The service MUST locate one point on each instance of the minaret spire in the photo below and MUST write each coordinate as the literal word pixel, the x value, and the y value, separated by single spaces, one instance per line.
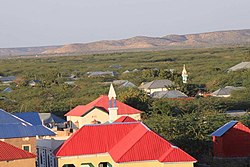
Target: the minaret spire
pixel 184 74
pixel 112 104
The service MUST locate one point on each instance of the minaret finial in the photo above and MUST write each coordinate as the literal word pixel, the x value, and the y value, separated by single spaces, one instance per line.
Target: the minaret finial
pixel 184 74
pixel 112 93
pixel 112 104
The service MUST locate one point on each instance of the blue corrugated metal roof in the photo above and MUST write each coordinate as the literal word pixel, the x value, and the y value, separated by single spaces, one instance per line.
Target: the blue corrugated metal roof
pixel 219 132
pixel 14 127
pixel 31 117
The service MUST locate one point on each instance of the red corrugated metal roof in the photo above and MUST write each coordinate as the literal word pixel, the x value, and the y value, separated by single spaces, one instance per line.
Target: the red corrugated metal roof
pixel 9 152
pixel 125 119
pixel 125 142
pixel 103 103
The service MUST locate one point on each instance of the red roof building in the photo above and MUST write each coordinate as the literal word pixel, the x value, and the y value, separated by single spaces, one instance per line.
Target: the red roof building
pixel 13 156
pixel 231 140
pixel 103 103
pixel 99 111
pixel 130 142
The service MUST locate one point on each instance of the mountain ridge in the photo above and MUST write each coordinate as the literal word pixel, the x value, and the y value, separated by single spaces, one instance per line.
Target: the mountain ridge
pixel 140 43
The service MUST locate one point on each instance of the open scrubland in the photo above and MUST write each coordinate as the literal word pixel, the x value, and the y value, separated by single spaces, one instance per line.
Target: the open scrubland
pixel 187 123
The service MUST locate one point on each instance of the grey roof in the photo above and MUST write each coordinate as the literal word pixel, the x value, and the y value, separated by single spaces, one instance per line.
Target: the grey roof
pixel 123 83
pixel 50 118
pixel 222 130
pixel 169 94
pixel 157 84
pixel 101 73
pixel 226 91
pixel 240 66
pixel 8 79
pixel 7 90
pixel 236 112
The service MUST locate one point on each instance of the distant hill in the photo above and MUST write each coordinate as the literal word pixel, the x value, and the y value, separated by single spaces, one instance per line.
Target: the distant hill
pixel 211 39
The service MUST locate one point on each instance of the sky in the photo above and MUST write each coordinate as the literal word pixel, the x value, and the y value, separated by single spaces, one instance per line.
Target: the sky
pixel 25 23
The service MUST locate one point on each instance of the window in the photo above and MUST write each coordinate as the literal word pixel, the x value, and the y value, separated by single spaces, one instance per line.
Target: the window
pixel 26 148
pixel 104 164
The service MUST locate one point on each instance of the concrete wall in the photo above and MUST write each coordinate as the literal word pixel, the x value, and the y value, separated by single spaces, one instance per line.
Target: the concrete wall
pixel 97 158
pixel 19 163
pixel 19 142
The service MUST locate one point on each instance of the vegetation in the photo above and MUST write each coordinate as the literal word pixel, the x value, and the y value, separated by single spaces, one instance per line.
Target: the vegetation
pixel 187 123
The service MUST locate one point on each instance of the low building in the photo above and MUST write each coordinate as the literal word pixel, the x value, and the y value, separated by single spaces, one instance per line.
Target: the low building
pixel 156 86
pixel 103 109
pixel 231 140
pixel 120 145
pixel 45 120
pixel 240 66
pixel 45 149
pixel 225 92
pixel 11 156
pixel 171 94
pixel 101 74
pixel 7 80
pixel 123 84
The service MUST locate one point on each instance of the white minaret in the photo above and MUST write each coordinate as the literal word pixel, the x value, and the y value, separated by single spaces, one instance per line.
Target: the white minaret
pixel 112 104
pixel 184 74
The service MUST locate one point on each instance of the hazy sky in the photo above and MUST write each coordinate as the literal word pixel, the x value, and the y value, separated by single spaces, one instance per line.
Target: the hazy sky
pixel 54 22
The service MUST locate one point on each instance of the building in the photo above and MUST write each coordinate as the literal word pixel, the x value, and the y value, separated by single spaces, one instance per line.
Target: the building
pixel 47 144
pixel 123 84
pixel 184 74
pixel 231 140
pixel 45 149
pixel 240 66
pixel 102 110
pixel 48 120
pixel 101 74
pixel 11 156
pixel 18 132
pixel 171 94
pixel 7 80
pixel 120 145
pixel 225 92
pixel 156 86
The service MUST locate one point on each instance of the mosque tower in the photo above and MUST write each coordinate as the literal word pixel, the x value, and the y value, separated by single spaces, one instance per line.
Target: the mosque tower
pixel 184 74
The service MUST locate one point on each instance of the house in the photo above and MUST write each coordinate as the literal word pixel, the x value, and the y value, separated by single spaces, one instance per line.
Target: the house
pixel 103 109
pixel 42 119
pixel 156 85
pixel 240 66
pixel 172 94
pixel 20 133
pixel 45 146
pixel 7 90
pixel 231 140
pixel 225 92
pixel 7 80
pixel 236 113
pixel 101 74
pixel 120 145
pixel 34 82
pixel 45 149
pixel 123 83
pixel 11 156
